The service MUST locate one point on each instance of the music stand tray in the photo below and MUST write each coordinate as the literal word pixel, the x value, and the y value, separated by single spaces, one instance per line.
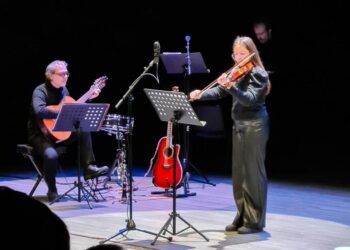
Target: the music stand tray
pixel 89 117
pixel 166 103
pixel 78 117
pixel 173 106
pixel 176 63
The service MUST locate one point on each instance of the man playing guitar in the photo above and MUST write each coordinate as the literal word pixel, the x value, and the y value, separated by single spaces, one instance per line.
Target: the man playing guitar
pixel 47 98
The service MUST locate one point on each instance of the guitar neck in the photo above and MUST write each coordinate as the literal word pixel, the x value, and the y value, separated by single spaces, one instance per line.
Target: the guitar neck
pixel 85 97
pixel 169 141
pixel 98 85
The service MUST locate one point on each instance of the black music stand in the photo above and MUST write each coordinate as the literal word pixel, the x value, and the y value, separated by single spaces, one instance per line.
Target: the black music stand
pixel 78 117
pixel 173 106
pixel 186 64
pixel 176 63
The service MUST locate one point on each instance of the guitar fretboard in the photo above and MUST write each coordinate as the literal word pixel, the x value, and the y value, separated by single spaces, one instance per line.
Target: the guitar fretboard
pixel 169 142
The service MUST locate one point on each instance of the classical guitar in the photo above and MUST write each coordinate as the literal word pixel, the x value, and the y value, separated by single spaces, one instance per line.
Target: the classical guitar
pixel 162 163
pixel 48 124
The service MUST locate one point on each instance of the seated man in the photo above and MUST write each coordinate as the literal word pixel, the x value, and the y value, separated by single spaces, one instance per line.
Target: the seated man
pixel 46 96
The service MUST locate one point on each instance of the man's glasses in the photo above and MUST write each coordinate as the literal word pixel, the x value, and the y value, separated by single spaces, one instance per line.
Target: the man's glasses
pixel 62 74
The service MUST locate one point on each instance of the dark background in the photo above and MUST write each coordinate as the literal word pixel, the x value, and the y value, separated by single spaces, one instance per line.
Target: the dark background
pixel 309 108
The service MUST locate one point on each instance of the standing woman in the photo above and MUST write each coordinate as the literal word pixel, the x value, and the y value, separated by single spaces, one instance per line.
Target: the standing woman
pixel 248 85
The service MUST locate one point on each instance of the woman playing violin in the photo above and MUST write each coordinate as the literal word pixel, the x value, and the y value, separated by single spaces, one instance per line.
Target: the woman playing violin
pixel 248 85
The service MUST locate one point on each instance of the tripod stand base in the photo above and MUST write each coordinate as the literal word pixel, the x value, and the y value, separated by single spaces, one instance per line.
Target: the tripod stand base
pixel 206 180
pixel 129 227
pixel 82 193
pixel 172 217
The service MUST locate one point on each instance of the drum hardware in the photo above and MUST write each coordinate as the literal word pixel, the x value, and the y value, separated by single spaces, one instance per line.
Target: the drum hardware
pixel 118 125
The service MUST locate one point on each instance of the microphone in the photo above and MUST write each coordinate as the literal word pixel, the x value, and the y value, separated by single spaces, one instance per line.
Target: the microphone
pixel 156 53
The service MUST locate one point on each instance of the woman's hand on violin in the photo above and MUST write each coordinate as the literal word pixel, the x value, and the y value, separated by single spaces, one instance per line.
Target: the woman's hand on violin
pixel 224 81
pixel 195 94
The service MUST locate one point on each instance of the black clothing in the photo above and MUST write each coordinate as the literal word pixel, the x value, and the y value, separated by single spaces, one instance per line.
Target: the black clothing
pixel 248 95
pixel 249 138
pixel 43 96
pixel 268 54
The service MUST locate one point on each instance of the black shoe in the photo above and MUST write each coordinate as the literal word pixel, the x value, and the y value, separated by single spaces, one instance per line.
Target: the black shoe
pixel 231 228
pixel 248 230
pixel 52 196
pixel 93 171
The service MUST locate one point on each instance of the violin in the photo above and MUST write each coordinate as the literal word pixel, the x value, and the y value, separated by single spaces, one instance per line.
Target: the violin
pixel 238 73
pixel 233 73
pixel 241 71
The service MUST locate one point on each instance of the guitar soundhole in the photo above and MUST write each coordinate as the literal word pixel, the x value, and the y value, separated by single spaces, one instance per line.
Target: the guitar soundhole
pixel 168 152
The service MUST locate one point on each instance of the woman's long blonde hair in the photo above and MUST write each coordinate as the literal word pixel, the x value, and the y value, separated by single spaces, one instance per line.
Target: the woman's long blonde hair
pixel 249 44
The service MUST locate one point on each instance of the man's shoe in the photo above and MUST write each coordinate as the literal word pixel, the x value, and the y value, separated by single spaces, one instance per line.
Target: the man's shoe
pixel 248 230
pixel 93 171
pixel 52 196
pixel 231 228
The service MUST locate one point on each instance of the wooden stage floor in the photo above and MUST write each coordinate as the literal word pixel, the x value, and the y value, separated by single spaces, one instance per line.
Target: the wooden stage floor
pixel 300 215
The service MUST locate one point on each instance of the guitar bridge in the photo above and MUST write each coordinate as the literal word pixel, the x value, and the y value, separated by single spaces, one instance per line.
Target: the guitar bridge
pixel 167 166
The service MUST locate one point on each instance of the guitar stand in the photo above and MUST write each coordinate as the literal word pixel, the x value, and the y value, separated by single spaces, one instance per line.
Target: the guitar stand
pixel 186 189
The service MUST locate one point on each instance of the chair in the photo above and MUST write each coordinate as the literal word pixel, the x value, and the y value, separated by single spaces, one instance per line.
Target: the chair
pixel 28 151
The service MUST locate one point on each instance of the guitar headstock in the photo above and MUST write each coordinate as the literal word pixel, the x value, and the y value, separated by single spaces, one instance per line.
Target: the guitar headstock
pixel 99 83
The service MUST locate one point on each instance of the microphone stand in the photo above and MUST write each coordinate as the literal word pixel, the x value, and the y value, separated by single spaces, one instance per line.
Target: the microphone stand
pixel 132 86
pixel 130 224
pixel 186 160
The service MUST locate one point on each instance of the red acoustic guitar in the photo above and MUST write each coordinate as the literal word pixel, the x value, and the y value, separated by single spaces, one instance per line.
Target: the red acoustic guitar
pixel 48 124
pixel 162 162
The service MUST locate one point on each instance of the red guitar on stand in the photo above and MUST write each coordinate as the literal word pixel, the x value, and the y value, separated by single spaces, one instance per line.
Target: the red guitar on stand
pixel 162 162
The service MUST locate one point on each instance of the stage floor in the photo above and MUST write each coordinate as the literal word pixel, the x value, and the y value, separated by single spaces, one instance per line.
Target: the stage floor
pixel 300 215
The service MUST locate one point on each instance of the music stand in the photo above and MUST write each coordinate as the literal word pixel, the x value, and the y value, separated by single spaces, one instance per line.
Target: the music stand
pixel 173 106
pixel 77 117
pixel 178 63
